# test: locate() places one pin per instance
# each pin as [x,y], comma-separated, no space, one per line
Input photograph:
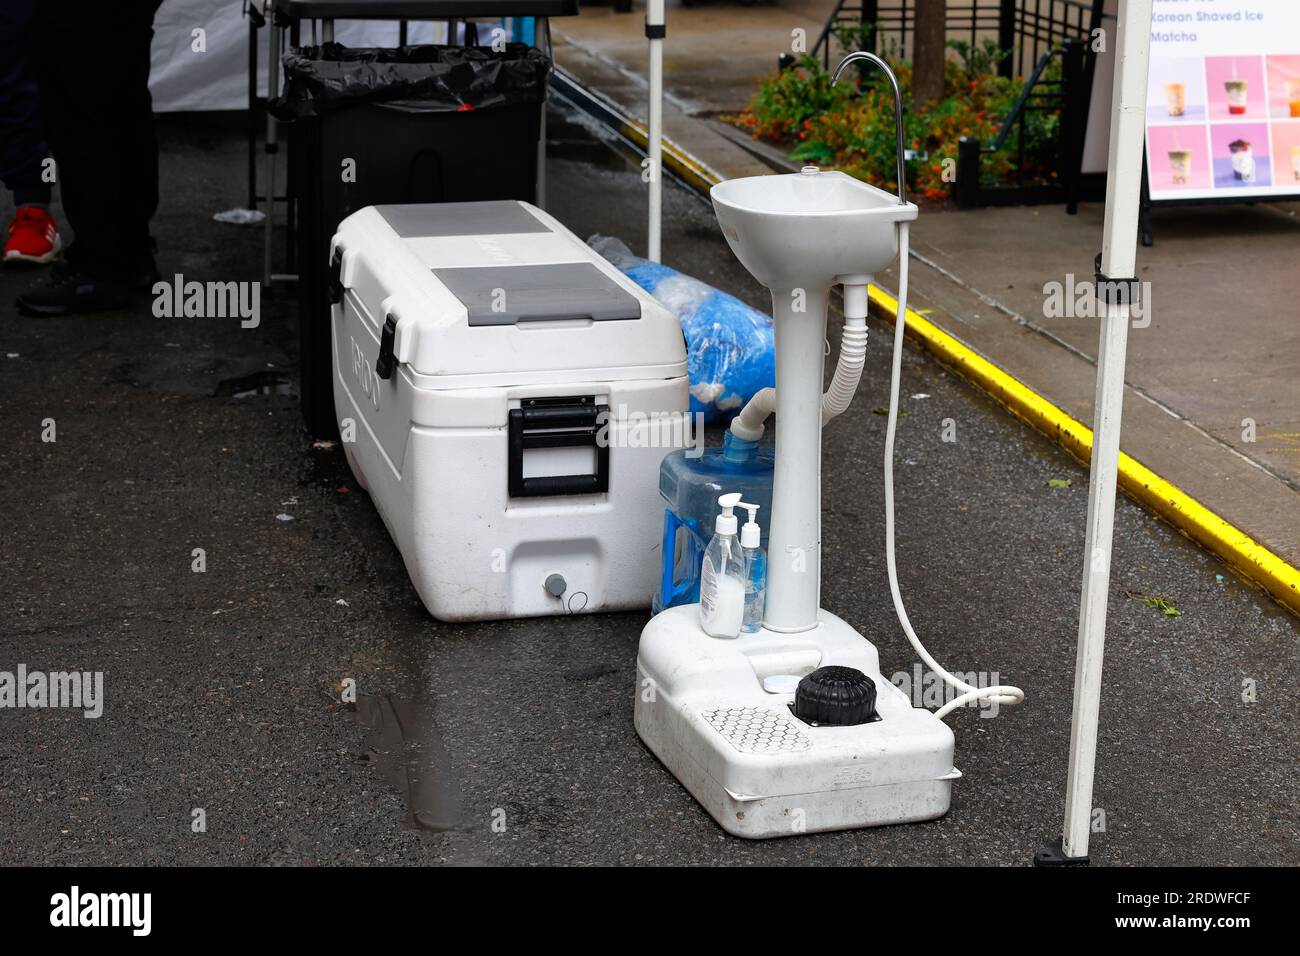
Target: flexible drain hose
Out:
[751,421]
[1002,694]
[848,369]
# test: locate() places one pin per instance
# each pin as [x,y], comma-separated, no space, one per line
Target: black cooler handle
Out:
[557,423]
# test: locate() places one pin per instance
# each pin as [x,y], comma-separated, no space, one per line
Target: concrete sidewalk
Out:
[713,58]
[1213,404]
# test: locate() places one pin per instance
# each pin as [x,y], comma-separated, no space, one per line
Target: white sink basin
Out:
[804,229]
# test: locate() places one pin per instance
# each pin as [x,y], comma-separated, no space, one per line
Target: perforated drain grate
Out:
[758,730]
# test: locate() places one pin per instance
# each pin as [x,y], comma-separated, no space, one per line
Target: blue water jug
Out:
[690,487]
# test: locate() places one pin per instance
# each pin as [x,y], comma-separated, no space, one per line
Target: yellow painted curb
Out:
[696,174]
[1180,509]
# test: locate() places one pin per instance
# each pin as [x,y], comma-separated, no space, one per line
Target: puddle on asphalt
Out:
[407,749]
[265,382]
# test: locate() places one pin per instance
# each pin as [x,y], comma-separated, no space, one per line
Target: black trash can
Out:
[415,124]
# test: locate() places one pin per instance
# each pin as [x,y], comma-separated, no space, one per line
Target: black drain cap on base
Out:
[836,696]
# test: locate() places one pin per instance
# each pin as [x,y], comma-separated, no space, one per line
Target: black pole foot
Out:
[1054,855]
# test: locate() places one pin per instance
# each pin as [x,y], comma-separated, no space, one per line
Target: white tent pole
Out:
[654,30]
[1118,261]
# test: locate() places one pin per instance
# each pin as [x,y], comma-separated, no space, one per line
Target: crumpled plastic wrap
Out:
[424,79]
[729,346]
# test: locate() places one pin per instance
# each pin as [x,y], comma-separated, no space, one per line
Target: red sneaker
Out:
[33,238]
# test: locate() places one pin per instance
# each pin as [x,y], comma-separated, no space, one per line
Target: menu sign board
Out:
[1223,99]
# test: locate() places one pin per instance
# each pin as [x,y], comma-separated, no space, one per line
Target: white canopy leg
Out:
[1118,260]
[654,30]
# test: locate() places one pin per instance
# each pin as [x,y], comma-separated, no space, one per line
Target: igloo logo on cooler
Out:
[364,371]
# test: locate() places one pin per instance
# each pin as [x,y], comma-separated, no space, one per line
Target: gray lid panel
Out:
[414,220]
[506,295]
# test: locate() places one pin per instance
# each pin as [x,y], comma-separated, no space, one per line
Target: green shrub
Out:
[853,129]
[785,103]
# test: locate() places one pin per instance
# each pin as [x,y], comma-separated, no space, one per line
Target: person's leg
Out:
[93,71]
[21,146]
[32,236]
[144,139]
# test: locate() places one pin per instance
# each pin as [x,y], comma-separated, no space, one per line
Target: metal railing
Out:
[1025,28]
[1067,95]
[1029,34]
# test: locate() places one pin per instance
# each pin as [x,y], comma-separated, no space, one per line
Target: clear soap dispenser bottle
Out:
[722,575]
[754,559]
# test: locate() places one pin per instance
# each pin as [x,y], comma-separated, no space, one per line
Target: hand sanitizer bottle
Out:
[722,575]
[754,559]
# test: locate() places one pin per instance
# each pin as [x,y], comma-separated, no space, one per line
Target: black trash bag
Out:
[422,79]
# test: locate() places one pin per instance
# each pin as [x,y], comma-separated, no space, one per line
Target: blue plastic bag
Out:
[729,346]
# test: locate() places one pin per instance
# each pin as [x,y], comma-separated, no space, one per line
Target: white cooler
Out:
[506,396]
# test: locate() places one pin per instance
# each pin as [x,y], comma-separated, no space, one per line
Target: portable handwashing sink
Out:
[809,227]
[793,729]
[505,395]
[720,713]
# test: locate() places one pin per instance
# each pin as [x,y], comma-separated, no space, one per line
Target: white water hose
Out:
[752,420]
[1003,694]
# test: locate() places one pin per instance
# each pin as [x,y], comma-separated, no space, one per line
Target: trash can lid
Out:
[425,78]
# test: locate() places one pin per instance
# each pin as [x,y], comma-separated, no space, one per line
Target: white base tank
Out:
[759,770]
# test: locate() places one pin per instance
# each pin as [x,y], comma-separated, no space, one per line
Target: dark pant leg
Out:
[22,147]
[92,64]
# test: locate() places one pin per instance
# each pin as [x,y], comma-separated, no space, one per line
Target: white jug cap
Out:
[781,683]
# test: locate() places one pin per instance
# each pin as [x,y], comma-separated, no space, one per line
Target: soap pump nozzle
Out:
[750,535]
[726,521]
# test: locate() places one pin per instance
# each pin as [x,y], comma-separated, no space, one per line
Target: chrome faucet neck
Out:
[898,108]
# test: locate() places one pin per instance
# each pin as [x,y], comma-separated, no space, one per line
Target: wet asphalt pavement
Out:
[223,688]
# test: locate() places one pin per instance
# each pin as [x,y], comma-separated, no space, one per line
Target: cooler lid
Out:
[505,295]
[488,293]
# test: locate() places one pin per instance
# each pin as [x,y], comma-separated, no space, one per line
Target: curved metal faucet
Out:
[898,107]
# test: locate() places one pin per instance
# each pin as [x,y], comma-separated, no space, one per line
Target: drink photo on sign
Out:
[1179,157]
[1283,87]
[1286,154]
[1235,87]
[1177,86]
[1241,155]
